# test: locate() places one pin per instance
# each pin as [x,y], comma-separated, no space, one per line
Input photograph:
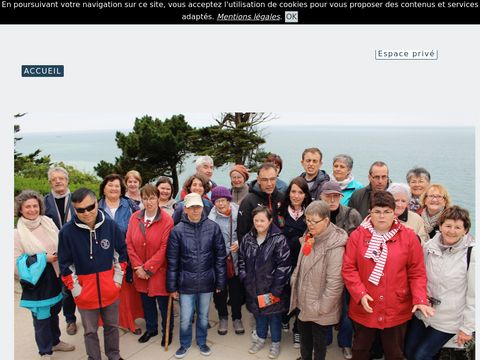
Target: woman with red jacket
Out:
[147,237]
[385,275]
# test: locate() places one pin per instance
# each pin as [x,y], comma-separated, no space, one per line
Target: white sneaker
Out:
[256,345]
[274,350]
[347,353]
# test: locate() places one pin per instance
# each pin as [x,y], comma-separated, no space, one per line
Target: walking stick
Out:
[169,315]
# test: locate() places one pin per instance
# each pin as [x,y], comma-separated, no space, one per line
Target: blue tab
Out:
[42,70]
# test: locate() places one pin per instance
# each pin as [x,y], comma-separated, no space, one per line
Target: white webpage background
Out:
[329,71]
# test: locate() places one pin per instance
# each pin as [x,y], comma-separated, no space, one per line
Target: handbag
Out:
[230,267]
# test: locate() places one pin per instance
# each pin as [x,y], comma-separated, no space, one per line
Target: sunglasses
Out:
[87,208]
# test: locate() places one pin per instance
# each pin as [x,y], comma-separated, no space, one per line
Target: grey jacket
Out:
[348,218]
[317,283]
[224,222]
[450,282]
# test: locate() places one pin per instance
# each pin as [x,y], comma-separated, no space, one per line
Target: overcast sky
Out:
[47,122]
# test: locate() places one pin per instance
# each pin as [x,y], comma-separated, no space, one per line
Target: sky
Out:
[62,121]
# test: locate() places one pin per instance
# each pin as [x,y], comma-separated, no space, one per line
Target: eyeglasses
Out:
[150,199]
[87,208]
[435,197]
[312,222]
[378,178]
[221,201]
[384,213]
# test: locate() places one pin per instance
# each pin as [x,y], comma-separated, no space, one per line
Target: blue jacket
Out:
[122,216]
[196,257]
[52,212]
[349,190]
[41,286]
[321,178]
[265,268]
[92,261]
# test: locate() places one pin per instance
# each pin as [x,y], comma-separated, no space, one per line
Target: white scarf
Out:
[30,243]
[66,205]
[344,183]
[377,248]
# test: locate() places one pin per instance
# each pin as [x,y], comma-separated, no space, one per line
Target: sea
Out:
[447,152]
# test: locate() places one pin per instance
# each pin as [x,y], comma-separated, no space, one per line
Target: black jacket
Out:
[196,257]
[265,268]
[255,198]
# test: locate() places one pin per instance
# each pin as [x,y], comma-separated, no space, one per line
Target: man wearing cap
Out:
[347,219]
[312,162]
[344,217]
[196,258]
[379,180]
[262,192]
[239,176]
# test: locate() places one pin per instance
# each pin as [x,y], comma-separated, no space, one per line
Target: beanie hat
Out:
[219,192]
[240,169]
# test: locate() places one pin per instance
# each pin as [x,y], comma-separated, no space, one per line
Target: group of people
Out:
[319,252]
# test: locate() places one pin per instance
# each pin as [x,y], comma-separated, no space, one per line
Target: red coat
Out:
[148,247]
[403,284]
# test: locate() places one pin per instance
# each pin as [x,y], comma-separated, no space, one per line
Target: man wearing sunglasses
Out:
[92,256]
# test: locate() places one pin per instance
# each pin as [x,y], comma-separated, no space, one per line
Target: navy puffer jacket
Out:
[265,268]
[196,257]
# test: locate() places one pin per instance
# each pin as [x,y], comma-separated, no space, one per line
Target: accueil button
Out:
[42,70]
[406,54]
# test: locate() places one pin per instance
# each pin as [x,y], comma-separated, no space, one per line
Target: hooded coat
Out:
[196,257]
[402,285]
[265,269]
[317,283]
[452,281]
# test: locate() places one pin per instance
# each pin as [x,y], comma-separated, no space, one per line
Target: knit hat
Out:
[219,192]
[193,199]
[331,187]
[240,169]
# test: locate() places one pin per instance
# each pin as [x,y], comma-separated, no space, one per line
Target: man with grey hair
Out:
[58,207]
[379,180]
[203,165]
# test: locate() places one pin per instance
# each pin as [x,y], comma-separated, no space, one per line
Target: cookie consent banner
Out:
[239,12]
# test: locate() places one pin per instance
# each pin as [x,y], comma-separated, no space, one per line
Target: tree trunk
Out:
[174,177]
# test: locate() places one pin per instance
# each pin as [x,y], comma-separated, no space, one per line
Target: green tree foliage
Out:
[236,138]
[154,147]
[31,172]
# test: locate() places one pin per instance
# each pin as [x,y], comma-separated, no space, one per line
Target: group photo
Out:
[243,235]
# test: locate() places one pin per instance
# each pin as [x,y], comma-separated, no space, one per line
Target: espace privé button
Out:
[402,54]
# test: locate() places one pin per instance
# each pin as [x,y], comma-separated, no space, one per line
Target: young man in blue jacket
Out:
[196,268]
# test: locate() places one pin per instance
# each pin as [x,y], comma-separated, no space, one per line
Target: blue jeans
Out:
[275,322]
[151,313]
[188,303]
[423,343]
[47,331]
[345,331]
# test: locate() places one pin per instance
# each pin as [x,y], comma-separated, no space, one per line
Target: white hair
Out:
[400,188]
[57,169]
[203,160]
